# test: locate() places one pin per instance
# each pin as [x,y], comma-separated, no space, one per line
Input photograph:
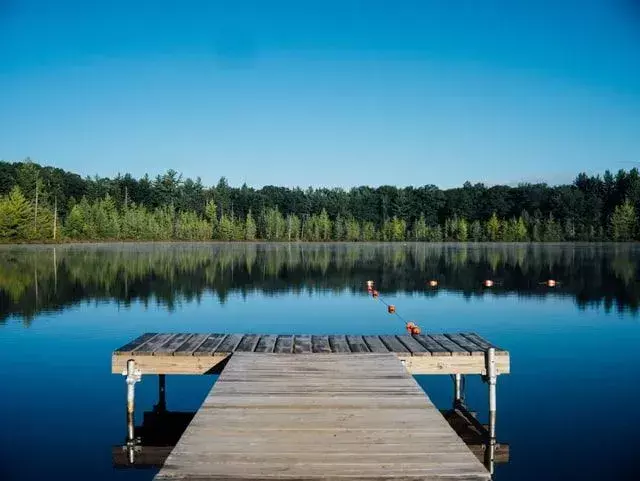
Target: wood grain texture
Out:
[449,345]
[393,344]
[339,344]
[483,343]
[248,343]
[375,344]
[189,347]
[152,344]
[311,416]
[266,344]
[466,344]
[171,345]
[129,347]
[320,344]
[357,344]
[209,346]
[284,344]
[434,348]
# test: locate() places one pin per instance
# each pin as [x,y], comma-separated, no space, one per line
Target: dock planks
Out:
[178,353]
[319,416]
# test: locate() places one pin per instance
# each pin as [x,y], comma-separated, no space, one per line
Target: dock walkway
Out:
[317,406]
[310,416]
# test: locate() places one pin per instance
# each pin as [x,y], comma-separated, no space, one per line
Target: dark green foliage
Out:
[168,207]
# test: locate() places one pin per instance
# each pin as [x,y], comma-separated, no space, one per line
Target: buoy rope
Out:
[410,326]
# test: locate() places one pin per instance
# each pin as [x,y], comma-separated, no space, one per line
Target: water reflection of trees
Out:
[40,279]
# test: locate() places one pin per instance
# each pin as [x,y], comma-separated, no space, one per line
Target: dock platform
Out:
[317,407]
[460,353]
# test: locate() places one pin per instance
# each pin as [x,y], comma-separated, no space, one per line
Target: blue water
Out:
[567,409]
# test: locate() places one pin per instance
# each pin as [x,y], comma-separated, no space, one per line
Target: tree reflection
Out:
[40,279]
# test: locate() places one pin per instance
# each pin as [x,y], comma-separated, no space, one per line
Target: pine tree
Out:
[462,230]
[476,231]
[250,229]
[493,228]
[15,216]
[623,222]
[420,229]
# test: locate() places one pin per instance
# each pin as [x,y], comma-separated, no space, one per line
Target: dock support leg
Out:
[162,393]
[457,390]
[133,376]
[492,379]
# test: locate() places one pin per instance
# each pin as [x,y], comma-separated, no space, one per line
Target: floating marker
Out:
[433,283]
[488,283]
[551,283]
[374,293]
[391,308]
[369,284]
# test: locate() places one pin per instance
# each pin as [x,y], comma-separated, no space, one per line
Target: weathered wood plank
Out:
[248,343]
[375,344]
[171,345]
[466,344]
[310,416]
[393,344]
[193,343]
[449,345]
[413,346]
[229,344]
[151,345]
[434,348]
[209,346]
[320,344]
[266,344]
[339,344]
[136,343]
[284,344]
[483,343]
[357,344]
[302,344]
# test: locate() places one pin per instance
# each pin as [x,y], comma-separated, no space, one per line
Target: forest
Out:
[47,204]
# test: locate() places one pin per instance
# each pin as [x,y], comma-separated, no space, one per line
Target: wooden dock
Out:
[319,417]
[317,407]
[153,353]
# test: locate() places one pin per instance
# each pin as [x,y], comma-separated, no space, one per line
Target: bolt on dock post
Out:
[133,376]
[492,379]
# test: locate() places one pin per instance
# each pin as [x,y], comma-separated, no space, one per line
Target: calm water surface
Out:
[568,410]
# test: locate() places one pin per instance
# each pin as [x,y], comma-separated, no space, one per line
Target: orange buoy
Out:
[412,328]
[391,308]
[488,283]
[433,283]
[551,283]
[374,293]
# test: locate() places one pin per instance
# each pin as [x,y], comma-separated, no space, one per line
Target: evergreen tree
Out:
[250,229]
[476,231]
[15,216]
[493,228]
[623,222]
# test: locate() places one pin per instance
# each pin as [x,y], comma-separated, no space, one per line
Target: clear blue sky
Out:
[335,93]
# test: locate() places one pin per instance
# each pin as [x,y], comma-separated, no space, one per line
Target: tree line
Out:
[42,203]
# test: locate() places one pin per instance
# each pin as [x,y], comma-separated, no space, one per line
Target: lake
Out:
[567,410]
